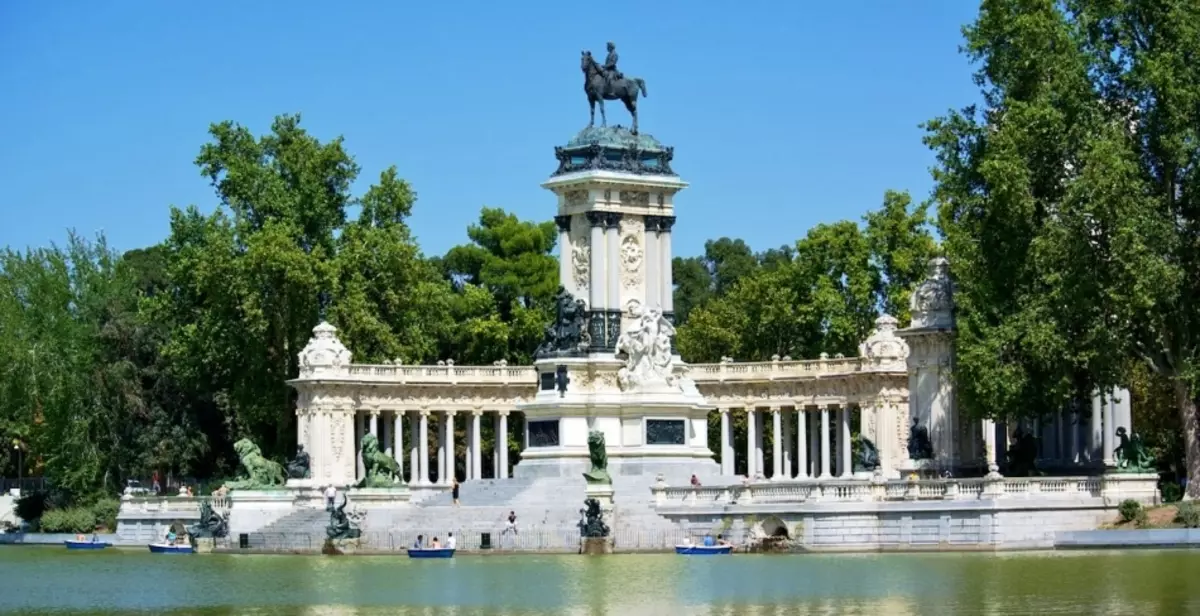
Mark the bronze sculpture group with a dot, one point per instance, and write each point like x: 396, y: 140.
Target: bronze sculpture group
x: 607, y: 83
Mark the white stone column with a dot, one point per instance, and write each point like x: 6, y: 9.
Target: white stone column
x: 564, y: 254
x: 414, y: 451
x: 398, y: 437
x: 844, y: 443
x: 444, y: 460
x: 1060, y: 438
x: 776, y: 444
x: 814, y: 444
x: 423, y: 445
x: 787, y: 445
x: 476, y: 446
x: 1108, y: 430
x: 726, y: 443
x: 360, y: 469
x: 612, y: 232
x: 666, y: 286
x: 1096, y: 433
x: 468, y: 454
x: 651, y: 260
x: 502, y: 446
x: 751, y: 451
x: 825, y: 474
x: 759, y: 436
x: 990, y: 453
x: 596, y: 269
x: 451, y: 462
x: 375, y: 423
x: 801, y: 444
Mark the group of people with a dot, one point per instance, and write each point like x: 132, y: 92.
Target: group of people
x: 709, y: 541
x: 435, y: 544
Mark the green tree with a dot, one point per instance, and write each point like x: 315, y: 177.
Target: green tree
x: 901, y: 245
x: 512, y: 261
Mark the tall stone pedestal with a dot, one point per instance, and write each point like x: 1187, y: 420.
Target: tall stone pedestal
x: 608, y: 361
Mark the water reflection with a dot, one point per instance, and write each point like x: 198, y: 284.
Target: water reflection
x: 893, y: 584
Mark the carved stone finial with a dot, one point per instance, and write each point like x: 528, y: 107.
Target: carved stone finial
x: 324, y: 353
x: 932, y: 303
x: 883, y: 346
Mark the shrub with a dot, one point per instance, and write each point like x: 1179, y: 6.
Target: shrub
x: 1171, y: 491
x: 1188, y: 514
x: 73, y: 520
x: 1129, y: 510
x: 31, y: 506
x: 1141, y: 520
x: 104, y: 512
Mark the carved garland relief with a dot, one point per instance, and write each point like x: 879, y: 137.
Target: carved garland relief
x: 576, y: 198
x: 631, y: 252
x: 635, y: 198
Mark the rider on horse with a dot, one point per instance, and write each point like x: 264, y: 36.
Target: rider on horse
x: 611, y: 74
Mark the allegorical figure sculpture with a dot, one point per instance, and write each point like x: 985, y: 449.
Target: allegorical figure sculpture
x: 920, y: 447
x: 593, y: 525
x: 606, y: 83
x: 647, y: 349
x: 567, y: 335
x: 298, y: 467
x: 260, y: 472
x: 381, y: 470
x: 1132, y: 454
x: 211, y: 524
x: 866, y: 455
x: 1021, y: 458
x: 340, y: 526
x: 598, y: 456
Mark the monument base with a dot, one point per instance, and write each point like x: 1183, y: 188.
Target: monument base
x: 597, y: 545
x: 603, y: 493
x: 375, y: 498
x: 254, y: 509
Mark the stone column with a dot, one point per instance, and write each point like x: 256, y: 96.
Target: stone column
x: 1060, y: 438
x: 423, y: 445
x: 787, y: 445
x: 612, y: 236
x: 451, y: 466
x: 564, y: 254
x: 759, y: 436
x: 751, y: 451
x: 414, y: 452
x: 596, y: 270
x: 726, y: 443
x: 825, y: 474
x: 844, y: 443
x: 1096, y: 439
x: 502, y: 445
x: 776, y: 444
x: 397, y: 435
x: 801, y: 444
x: 666, y: 285
x: 468, y: 453
x: 360, y: 469
x: 375, y: 423
x: 441, y: 449
x: 990, y: 453
x: 814, y: 444
x: 1108, y: 430
x: 476, y: 446
x: 651, y: 260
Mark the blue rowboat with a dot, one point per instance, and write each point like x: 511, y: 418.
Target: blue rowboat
x: 431, y: 552
x: 703, y: 550
x: 74, y: 544
x: 168, y: 548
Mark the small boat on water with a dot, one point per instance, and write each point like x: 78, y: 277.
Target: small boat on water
x: 86, y: 544
x: 431, y: 552
x: 170, y: 548
x: 703, y: 550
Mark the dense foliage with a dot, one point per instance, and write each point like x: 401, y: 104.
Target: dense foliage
x: 1070, y: 206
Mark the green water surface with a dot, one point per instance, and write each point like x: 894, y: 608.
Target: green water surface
x: 53, y: 580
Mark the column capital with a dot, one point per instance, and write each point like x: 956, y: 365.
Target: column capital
x: 724, y: 410
x: 425, y: 413
x: 563, y: 222
x: 477, y: 412
x: 503, y: 412
x: 660, y: 224
x: 450, y: 413
x: 612, y: 220
x: 596, y: 218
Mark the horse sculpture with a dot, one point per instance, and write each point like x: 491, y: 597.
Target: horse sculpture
x: 599, y: 89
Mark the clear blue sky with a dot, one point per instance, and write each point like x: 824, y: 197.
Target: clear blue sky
x: 783, y: 114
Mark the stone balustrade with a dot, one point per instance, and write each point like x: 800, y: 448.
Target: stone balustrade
x: 1109, y: 487
x: 166, y: 504
x: 527, y: 376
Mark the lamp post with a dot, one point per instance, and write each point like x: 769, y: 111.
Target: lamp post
x: 20, y: 466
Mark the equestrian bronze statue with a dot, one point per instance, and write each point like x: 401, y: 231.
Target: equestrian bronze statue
x: 606, y: 83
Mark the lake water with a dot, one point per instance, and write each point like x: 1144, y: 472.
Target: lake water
x: 53, y: 580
